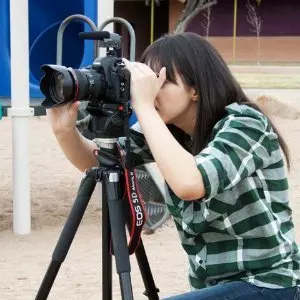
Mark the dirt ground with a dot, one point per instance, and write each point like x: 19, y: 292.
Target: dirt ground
x: 54, y: 183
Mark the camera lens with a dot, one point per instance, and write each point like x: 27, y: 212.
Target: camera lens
x: 61, y: 85
x: 57, y: 87
x: 91, y: 84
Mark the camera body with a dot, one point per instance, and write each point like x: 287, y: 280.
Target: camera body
x: 116, y: 79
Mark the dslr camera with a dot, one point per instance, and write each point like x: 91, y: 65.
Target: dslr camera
x: 105, y: 85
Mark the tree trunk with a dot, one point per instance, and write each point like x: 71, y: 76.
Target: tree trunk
x: 192, y: 8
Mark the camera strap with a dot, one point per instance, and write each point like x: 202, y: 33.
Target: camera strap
x: 137, y: 216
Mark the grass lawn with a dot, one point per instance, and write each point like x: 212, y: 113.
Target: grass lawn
x: 268, y: 81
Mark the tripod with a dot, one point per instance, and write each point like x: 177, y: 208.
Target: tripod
x: 110, y: 173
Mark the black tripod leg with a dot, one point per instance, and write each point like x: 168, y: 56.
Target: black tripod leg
x: 106, y: 256
x: 151, y: 290
x: 84, y: 194
x: 112, y: 198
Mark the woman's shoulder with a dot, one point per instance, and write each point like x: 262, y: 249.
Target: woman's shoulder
x: 247, y: 109
x: 243, y: 115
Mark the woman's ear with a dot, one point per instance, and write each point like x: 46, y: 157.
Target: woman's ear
x: 194, y: 95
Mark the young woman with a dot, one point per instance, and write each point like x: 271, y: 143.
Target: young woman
x: 223, y: 164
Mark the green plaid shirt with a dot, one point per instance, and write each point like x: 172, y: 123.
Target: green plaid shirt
x: 242, y: 229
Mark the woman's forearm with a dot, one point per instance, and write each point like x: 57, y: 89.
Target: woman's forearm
x: 177, y: 166
x: 77, y: 149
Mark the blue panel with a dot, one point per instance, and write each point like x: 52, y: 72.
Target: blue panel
x: 44, y: 20
x: 4, y: 49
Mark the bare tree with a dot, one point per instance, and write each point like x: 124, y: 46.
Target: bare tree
x: 207, y: 20
x: 191, y: 9
x: 256, y: 22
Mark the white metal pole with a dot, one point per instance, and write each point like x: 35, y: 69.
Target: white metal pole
x: 20, y: 113
x: 105, y: 11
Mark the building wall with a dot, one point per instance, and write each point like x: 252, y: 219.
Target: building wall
x: 279, y: 38
x: 279, y: 18
x: 272, y: 49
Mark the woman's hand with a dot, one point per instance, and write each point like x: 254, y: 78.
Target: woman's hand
x: 144, y: 84
x: 63, y: 118
x: 77, y: 149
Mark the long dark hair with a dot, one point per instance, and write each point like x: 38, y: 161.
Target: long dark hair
x: 200, y: 66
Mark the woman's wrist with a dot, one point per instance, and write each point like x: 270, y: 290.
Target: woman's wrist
x: 65, y: 133
x: 143, y: 108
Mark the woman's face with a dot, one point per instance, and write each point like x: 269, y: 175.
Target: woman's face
x: 177, y: 104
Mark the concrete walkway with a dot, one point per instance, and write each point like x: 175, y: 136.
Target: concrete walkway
x: 284, y: 69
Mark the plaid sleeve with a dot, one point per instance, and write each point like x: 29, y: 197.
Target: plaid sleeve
x: 240, y: 146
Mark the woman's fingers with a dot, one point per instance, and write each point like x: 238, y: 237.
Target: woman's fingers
x: 137, y: 67
x: 74, y: 107
x: 140, y: 71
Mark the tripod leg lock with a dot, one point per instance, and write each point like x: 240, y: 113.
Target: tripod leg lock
x: 98, y: 174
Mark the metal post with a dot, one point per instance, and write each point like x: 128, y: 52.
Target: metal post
x: 60, y: 33
x: 234, y: 31
x: 20, y: 113
x: 152, y: 22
